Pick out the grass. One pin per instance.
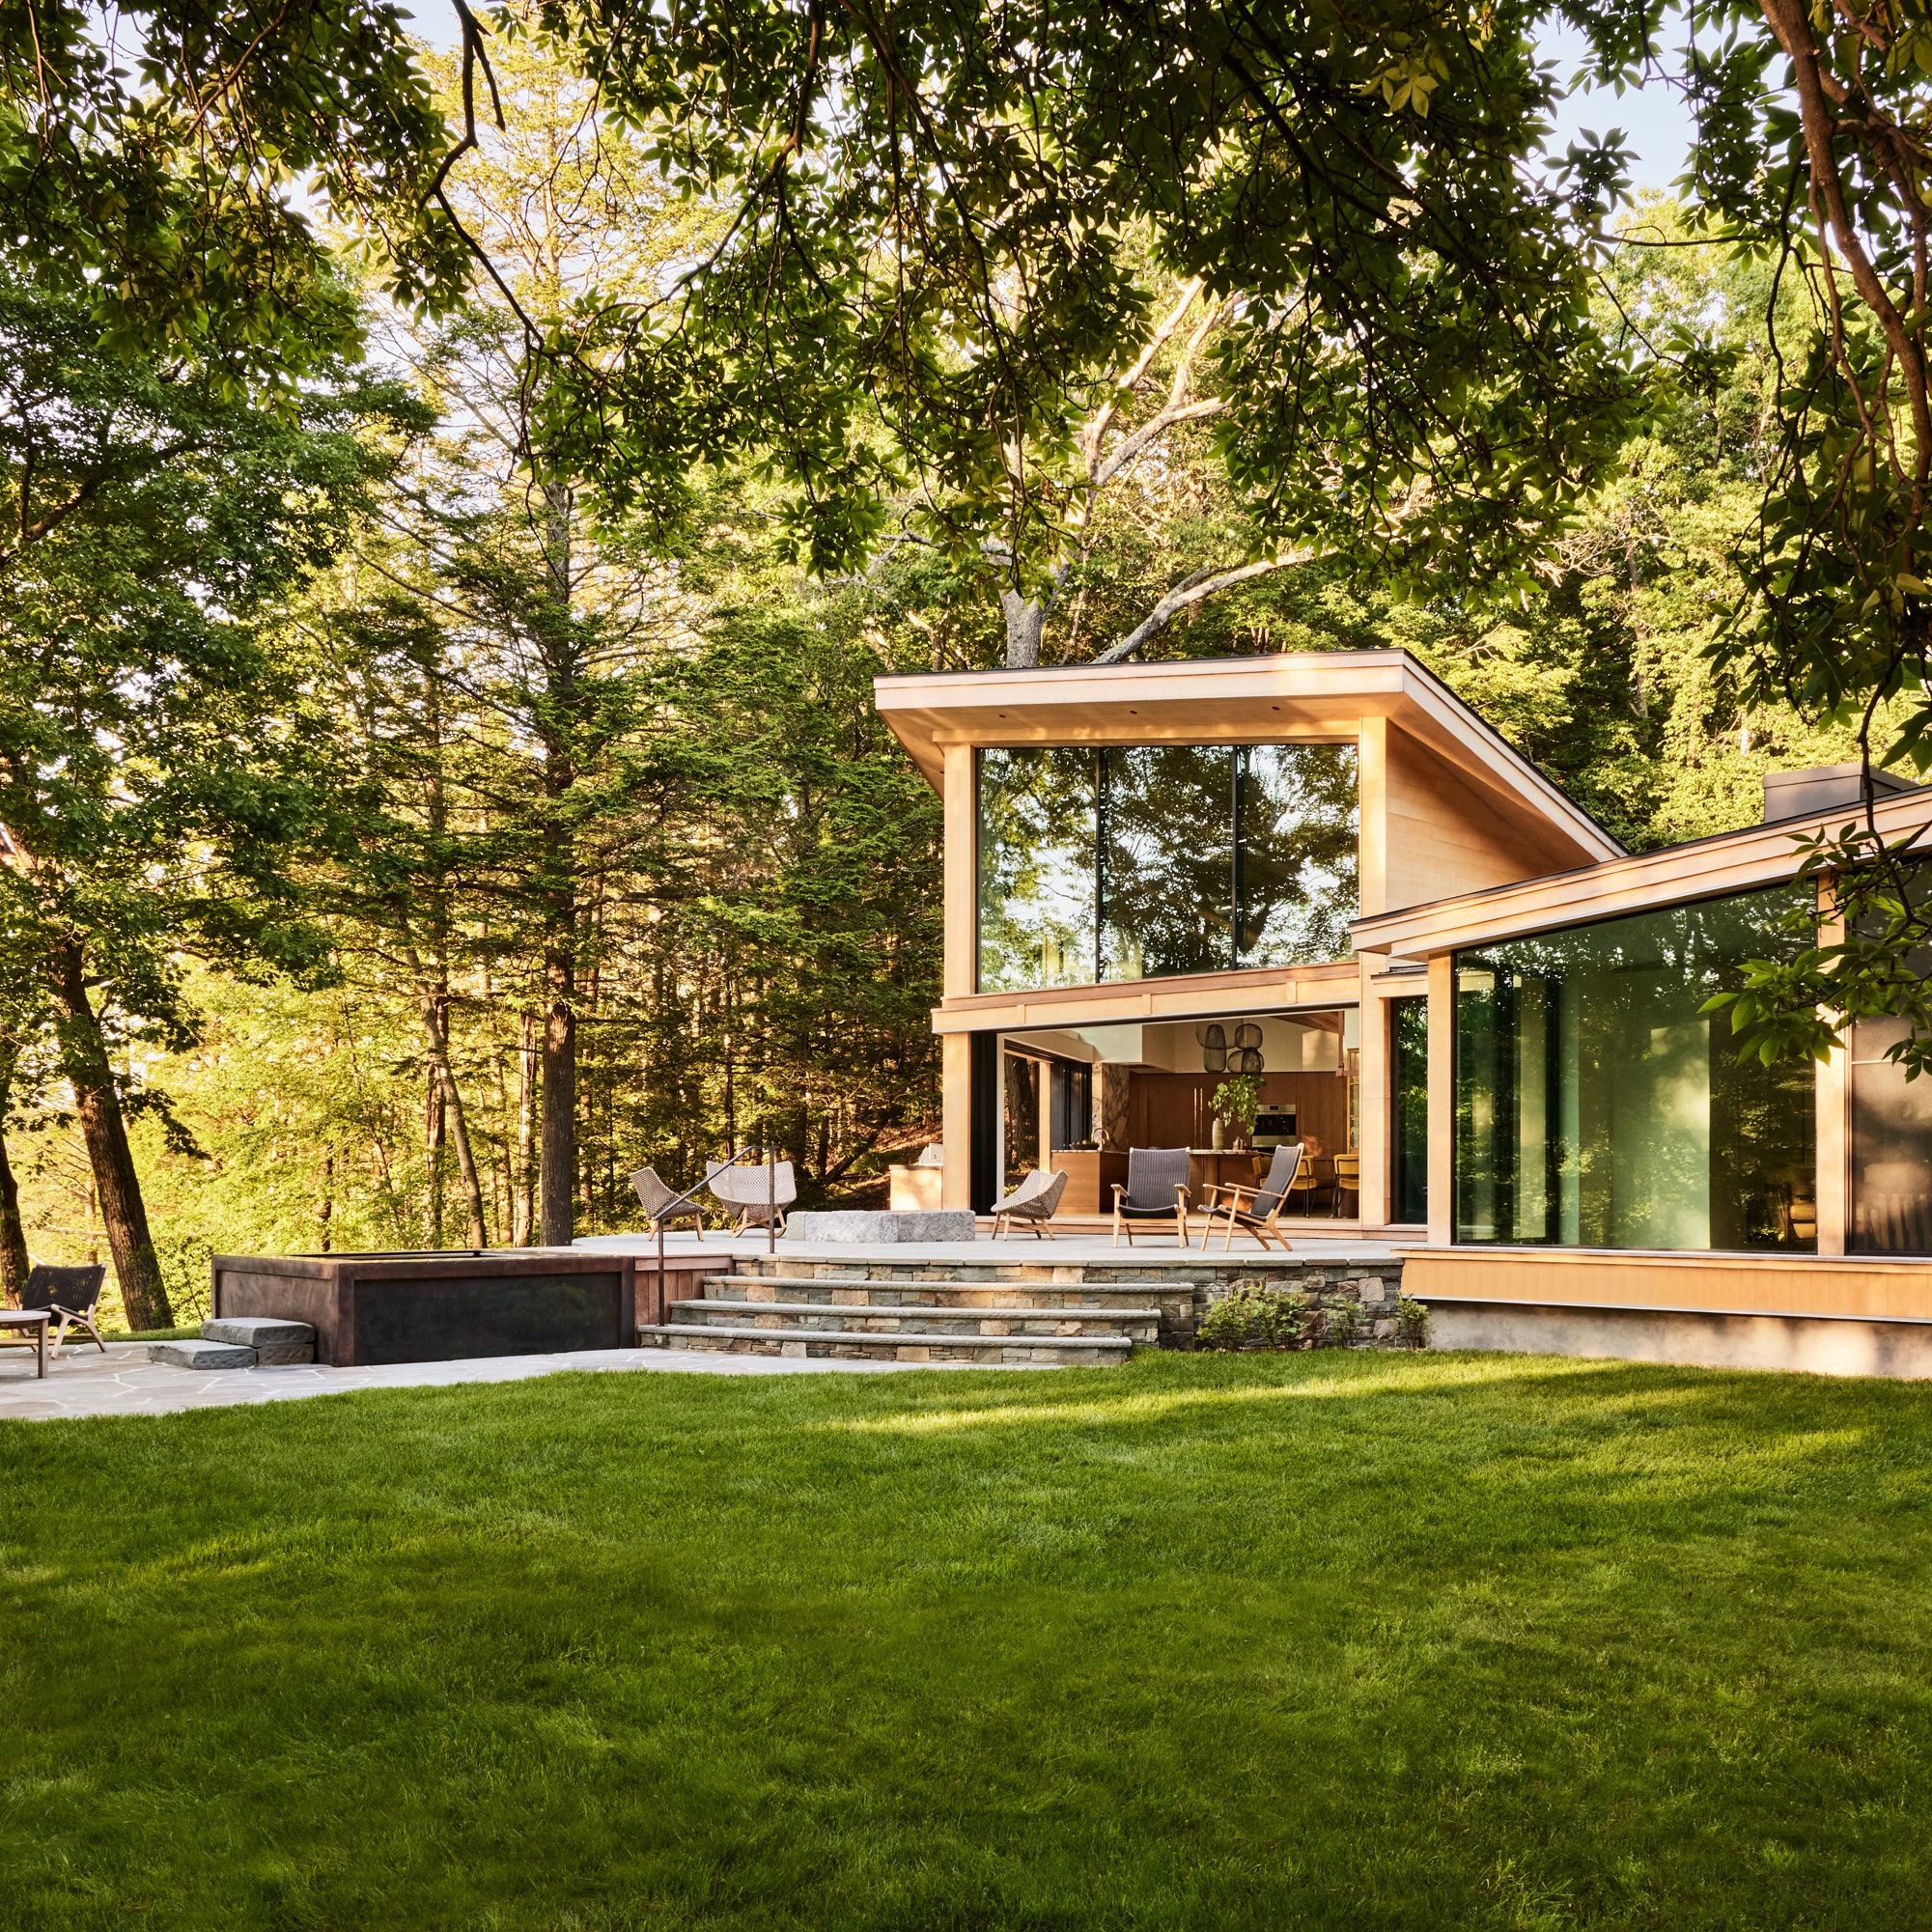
(1327, 1640)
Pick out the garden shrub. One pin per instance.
(1254, 1318)
(1412, 1322)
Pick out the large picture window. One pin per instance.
(1142, 861)
(1598, 1107)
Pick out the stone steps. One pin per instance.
(910, 1291)
(888, 1344)
(247, 1341)
(1141, 1325)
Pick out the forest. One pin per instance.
(408, 833)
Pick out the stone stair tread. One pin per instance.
(878, 1337)
(1001, 1311)
(921, 1281)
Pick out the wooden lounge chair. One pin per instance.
(1256, 1210)
(71, 1296)
(751, 1196)
(1157, 1189)
(657, 1198)
(1031, 1204)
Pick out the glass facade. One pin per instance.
(1142, 861)
(1597, 1107)
(1409, 1115)
(1892, 1136)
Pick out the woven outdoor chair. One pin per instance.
(1157, 1189)
(1256, 1210)
(1031, 1204)
(750, 1196)
(71, 1295)
(657, 1198)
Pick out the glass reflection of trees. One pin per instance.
(1597, 1107)
(1142, 861)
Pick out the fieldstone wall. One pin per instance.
(1363, 1295)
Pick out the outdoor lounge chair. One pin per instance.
(1157, 1189)
(1031, 1204)
(1256, 1210)
(657, 1198)
(748, 1193)
(71, 1295)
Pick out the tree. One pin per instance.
(157, 163)
(158, 753)
(1821, 178)
(934, 270)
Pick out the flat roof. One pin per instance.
(1705, 868)
(1284, 698)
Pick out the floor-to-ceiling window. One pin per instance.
(1409, 1113)
(1143, 861)
(1598, 1106)
(1891, 1135)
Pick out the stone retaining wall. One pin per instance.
(1185, 1285)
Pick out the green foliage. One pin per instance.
(1340, 1322)
(1411, 1322)
(1254, 1318)
(158, 175)
(946, 234)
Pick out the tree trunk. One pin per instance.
(433, 1004)
(560, 1098)
(557, 1176)
(14, 1261)
(1025, 623)
(123, 1211)
(522, 1201)
(435, 1116)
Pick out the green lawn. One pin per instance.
(1326, 1639)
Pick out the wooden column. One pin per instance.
(1442, 1100)
(1834, 1116)
(1375, 1108)
(1372, 778)
(956, 1097)
(962, 890)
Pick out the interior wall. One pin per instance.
(1176, 1110)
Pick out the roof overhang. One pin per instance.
(1710, 868)
(1308, 697)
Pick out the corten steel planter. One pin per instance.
(438, 1306)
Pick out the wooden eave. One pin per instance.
(1114, 1002)
(1304, 697)
(1710, 868)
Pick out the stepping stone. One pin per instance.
(259, 1332)
(200, 1355)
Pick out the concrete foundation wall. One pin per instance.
(1815, 1345)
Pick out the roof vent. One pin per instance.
(1824, 787)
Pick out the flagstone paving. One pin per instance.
(126, 1382)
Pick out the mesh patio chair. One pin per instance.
(1157, 1189)
(1256, 1210)
(657, 1198)
(750, 1196)
(1031, 1204)
(71, 1295)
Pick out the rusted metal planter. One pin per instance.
(437, 1306)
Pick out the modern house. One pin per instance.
(1327, 871)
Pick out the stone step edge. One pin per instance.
(976, 1287)
(923, 1312)
(880, 1337)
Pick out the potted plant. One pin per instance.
(1237, 1101)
